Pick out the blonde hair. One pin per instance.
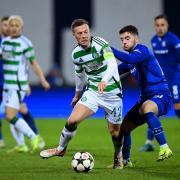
(16, 17)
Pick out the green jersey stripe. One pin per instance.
(81, 53)
(9, 62)
(11, 43)
(107, 89)
(31, 58)
(9, 72)
(79, 71)
(98, 71)
(28, 49)
(15, 53)
(15, 82)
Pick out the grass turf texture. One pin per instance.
(92, 136)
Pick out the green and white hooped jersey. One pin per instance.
(15, 53)
(94, 62)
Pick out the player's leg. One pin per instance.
(31, 122)
(113, 113)
(132, 120)
(126, 150)
(12, 101)
(175, 89)
(19, 138)
(2, 145)
(159, 105)
(85, 107)
(148, 146)
(79, 113)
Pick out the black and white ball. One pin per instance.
(82, 162)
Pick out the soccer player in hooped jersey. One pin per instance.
(92, 57)
(16, 50)
(26, 114)
(155, 98)
(166, 48)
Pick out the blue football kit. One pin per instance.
(145, 68)
(167, 51)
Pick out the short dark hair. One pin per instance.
(130, 28)
(161, 16)
(4, 18)
(78, 22)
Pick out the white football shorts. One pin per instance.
(12, 98)
(111, 103)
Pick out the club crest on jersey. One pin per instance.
(83, 99)
(163, 43)
(95, 55)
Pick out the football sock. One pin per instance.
(118, 143)
(156, 127)
(23, 127)
(177, 112)
(30, 121)
(150, 135)
(18, 136)
(126, 146)
(0, 130)
(68, 132)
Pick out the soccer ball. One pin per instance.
(82, 162)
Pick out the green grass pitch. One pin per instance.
(92, 136)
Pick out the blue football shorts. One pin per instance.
(163, 101)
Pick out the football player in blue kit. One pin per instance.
(155, 97)
(166, 47)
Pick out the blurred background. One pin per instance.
(47, 25)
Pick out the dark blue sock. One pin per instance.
(150, 135)
(126, 146)
(30, 121)
(177, 112)
(0, 129)
(156, 127)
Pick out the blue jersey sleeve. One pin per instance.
(137, 55)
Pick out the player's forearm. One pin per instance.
(37, 69)
(128, 58)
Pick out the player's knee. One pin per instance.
(9, 117)
(114, 133)
(147, 107)
(23, 108)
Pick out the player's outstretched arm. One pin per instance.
(37, 69)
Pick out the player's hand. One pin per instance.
(28, 91)
(45, 85)
(101, 86)
(74, 100)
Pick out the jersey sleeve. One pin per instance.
(29, 51)
(79, 75)
(111, 62)
(137, 55)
